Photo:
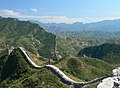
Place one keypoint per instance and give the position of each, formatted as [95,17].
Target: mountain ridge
[105,25]
[29,35]
[107,52]
[17,71]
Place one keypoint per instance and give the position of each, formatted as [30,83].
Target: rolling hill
[107,52]
[84,68]
[15,72]
[28,35]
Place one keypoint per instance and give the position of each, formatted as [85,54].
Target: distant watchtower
[10,49]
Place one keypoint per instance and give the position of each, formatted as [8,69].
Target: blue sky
[68,11]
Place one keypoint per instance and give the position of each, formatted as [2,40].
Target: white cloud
[34,10]
[57,19]
[7,12]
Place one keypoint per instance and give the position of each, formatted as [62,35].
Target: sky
[61,11]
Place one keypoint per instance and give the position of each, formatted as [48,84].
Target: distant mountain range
[106,25]
[16,73]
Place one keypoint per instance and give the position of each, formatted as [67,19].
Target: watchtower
[10,49]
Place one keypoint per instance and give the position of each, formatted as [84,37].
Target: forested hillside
[15,72]
[107,52]
[28,35]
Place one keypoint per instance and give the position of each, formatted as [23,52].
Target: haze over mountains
[106,25]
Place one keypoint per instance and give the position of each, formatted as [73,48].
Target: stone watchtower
[9,50]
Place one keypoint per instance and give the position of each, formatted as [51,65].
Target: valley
[59,44]
[54,60]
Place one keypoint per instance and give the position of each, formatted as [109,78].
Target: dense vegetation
[84,68]
[79,35]
[107,52]
[16,73]
[28,35]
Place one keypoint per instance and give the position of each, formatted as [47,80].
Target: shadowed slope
[16,73]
